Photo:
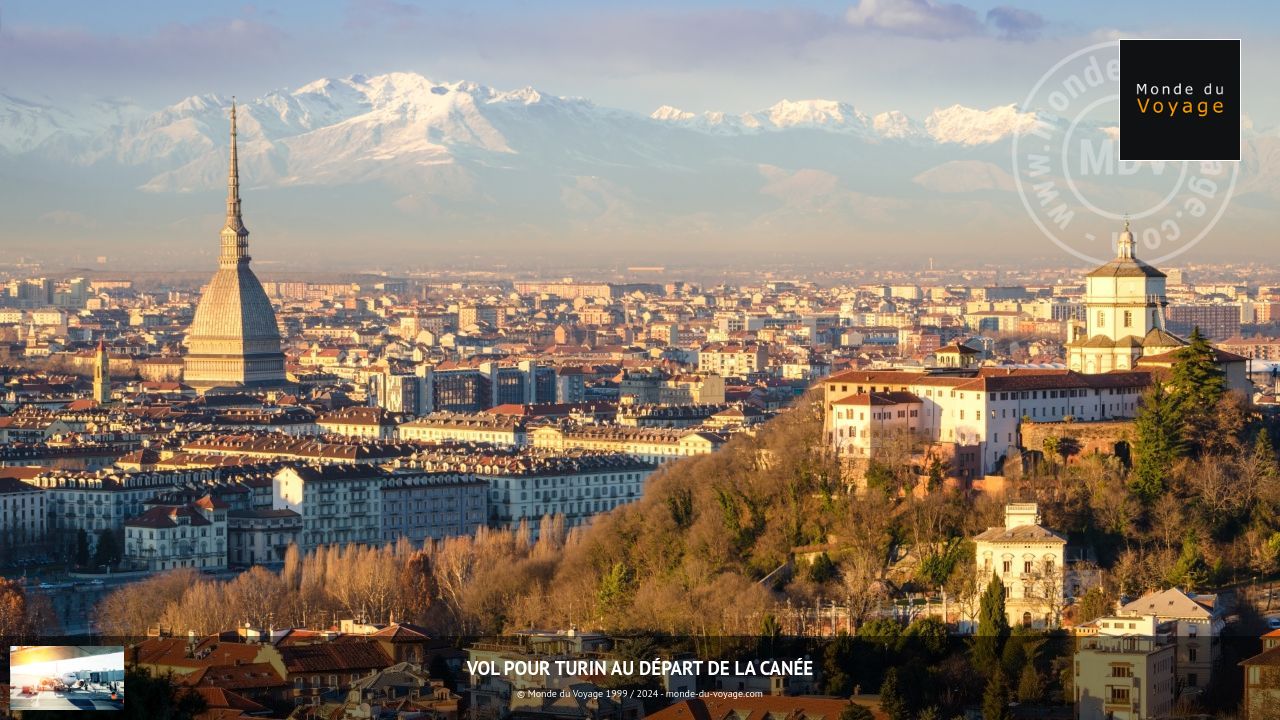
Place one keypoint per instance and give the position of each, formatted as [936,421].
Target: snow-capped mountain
[359,128]
[813,114]
[26,125]
[463,158]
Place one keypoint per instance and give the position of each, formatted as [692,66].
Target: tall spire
[235,236]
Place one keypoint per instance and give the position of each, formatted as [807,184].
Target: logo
[1071,180]
[1180,99]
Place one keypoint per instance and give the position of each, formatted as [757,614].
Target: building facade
[575,487]
[1125,671]
[339,504]
[256,535]
[1029,561]
[23,515]
[424,507]
[165,537]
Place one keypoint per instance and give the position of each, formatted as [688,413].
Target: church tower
[101,375]
[1124,314]
[234,341]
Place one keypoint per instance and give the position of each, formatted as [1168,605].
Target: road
[64,700]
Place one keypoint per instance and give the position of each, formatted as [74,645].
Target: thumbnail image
[66,677]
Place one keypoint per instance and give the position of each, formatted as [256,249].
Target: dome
[233,340]
[234,311]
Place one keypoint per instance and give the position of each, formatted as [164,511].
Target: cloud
[173,56]
[1013,23]
[365,14]
[917,18]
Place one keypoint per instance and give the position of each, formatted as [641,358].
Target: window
[1119,694]
[1128,318]
[1102,317]
[1192,654]
[1008,565]
[1122,671]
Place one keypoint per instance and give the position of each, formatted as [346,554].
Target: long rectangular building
[976,413]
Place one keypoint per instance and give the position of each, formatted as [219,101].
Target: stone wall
[1111,437]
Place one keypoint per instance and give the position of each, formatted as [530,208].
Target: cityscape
[496,476]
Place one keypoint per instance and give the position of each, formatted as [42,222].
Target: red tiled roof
[172,652]
[219,698]
[166,517]
[880,398]
[246,676]
[327,657]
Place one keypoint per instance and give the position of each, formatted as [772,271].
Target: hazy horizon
[545,182]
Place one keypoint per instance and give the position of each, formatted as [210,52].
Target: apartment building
[733,359]
[576,486]
[1262,680]
[428,506]
[1197,622]
[1126,670]
[261,535]
[649,444]
[507,430]
[374,423]
[339,504]
[178,534]
[23,514]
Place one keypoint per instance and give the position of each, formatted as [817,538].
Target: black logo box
[1187,68]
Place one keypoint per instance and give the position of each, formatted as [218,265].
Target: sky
[913,56]
[909,55]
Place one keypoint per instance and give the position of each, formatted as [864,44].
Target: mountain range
[413,164]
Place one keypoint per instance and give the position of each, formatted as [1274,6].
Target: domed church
[1124,315]
[234,341]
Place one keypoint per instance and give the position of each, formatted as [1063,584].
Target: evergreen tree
[893,701]
[1264,455]
[1198,384]
[993,619]
[995,700]
[993,626]
[937,473]
[854,711]
[1030,688]
[615,588]
[107,552]
[822,570]
[82,548]
[1196,377]
[836,666]
[1190,571]
[1159,427]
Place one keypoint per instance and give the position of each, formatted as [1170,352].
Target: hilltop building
[1124,314]
[1124,328]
